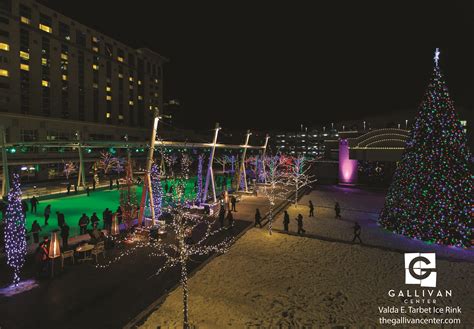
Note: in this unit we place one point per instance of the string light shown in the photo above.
(199, 178)
(298, 174)
(430, 196)
(15, 240)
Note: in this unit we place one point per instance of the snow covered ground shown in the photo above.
(291, 282)
(364, 207)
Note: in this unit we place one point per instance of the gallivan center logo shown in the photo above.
(420, 270)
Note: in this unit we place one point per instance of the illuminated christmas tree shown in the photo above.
(430, 197)
(15, 240)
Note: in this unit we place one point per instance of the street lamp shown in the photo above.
(54, 250)
(406, 124)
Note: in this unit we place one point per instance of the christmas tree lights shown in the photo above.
(430, 197)
(15, 240)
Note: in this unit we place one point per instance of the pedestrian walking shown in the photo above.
(111, 183)
(337, 209)
(68, 188)
(88, 190)
(65, 235)
(24, 207)
(299, 219)
(47, 212)
(117, 183)
(221, 216)
(93, 183)
(35, 229)
(119, 214)
(83, 222)
(311, 209)
(107, 218)
(286, 221)
(75, 188)
(233, 201)
(61, 219)
(258, 218)
(357, 231)
(230, 220)
(34, 203)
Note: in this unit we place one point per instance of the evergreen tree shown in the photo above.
(430, 197)
(15, 240)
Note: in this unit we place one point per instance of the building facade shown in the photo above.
(58, 76)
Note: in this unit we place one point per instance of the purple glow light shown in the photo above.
(347, 167)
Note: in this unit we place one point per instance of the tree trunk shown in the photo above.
(296, 195)
(184, 283)
(270, 219)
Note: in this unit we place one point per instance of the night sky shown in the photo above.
(250, 65)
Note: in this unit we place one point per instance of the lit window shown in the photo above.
(64, 77)
(156, 107)
(120, 117)
(45, 83)
(95, 49)
(4, 46)
(130, 87)
(24, 55)
(130, 103)
(95, 67)
(46, 28)
(109, 98)
(95, 85)
(3, 73)
(24, 67)
(120, 75)
(151, 107)
(95, 39)
(156, 80)
(108, 88)
(130, 79)
(107, 115)
(156, 94)
(120, 59)
(25, 20)
(139, 82)
(64, 56)
(140, 97)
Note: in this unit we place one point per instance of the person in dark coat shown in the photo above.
(35, 229)
(299, 219)
(221, 216)
(75, 188)
(34, 203)
(258, 218)
(107, 218)
(357, 231)
(119, 215)
(88, 190)
(47, 212)
(94, 220)
(93, 184)
(111, 183)
(61, 219)
(117, 183)
(311, 209)
(337, 209)
(230, 220)
(233, 201)
(68, 188)
(286, 221)
(83, 222)
(24, 207)
(65, 235)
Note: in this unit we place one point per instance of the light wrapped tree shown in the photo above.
(128, 198)
(69, 168)
(182, 227)
(299, 174)
(15, 239)
(430, 197)
(157, 189)
(275, 187)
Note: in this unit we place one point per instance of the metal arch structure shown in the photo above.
(243, 169)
